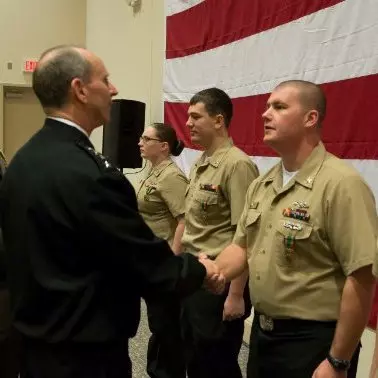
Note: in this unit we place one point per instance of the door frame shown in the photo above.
(2, 99)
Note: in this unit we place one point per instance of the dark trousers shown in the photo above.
(165, 354)
(10, 340)
(10, 354)
(212, 345)
(76, 360)
(293, 349)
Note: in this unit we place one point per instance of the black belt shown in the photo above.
(269, 324)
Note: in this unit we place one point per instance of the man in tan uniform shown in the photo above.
(213, 326)
(308, 231)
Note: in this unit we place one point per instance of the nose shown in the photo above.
(113, 90)
(266, 115)
(140, 143)
(189, 123)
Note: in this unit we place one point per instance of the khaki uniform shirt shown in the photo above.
(303, 240)
(215, 199)
(161, 199)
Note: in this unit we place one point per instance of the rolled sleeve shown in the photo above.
(173, 189)
(243, 174)
(352, 224)
(240, 237)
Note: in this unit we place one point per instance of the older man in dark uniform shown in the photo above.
(79, 256)
(9, 339)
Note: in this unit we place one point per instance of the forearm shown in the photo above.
(354, 312)
(238, 284)
(176, 245)
(232, 261)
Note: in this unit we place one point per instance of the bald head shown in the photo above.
(310, 95)
(55, 71)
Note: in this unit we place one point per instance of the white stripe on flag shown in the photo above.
(177, 6)
(323, 47)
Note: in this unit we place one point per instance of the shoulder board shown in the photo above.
(101, 160)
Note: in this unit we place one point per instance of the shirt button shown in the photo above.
(258, 278)
(262, 251)
(269, 225)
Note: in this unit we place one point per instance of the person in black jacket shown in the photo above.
(9, 339)
(79, 255)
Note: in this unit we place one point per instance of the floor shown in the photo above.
(138, 350)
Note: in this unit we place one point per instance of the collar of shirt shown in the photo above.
(218, 155)
(160, 167)
(306, 174)
(70, 123)
(287, 175)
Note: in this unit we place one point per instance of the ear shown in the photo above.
(311, 119)
(164, 146)
(219, 121)
(79, 90)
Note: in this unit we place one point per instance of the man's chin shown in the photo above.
(268, 139)
(195, 140)
(199, 142)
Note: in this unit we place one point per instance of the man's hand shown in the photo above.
(234, 307)
(214, 281)
(325, 370)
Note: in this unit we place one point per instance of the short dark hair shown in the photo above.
(311, 96)
(166, 133)
(52, 78)
(216, 102)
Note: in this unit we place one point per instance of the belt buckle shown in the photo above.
(266, 323)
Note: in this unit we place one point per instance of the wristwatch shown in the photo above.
(339, 365)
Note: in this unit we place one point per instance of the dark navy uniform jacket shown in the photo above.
(79, 256)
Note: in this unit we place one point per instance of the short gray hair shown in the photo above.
(52, 78)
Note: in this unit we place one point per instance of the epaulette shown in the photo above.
(100, 159)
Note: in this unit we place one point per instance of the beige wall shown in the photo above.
(131, 43)
(29, 27)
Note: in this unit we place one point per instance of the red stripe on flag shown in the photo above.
(214, 23)
(350, 130)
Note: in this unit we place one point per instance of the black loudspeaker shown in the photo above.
(121, 134)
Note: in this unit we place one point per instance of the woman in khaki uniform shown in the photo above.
(161, 202)
(161, 195)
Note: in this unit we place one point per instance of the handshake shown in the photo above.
(215, 281)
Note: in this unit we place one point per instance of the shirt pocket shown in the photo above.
(292, 241)
(252, 218)
(153, 202)
(206, 206)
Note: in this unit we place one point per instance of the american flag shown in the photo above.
(247, 47)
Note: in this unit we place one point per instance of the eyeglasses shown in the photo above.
(146, 139)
